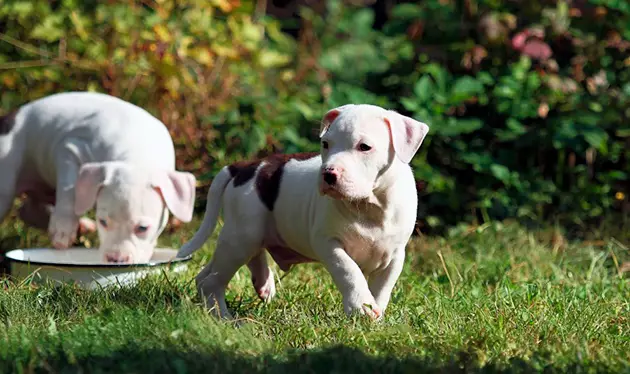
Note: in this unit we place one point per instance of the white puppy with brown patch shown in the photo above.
(352, 208)
(70, 151)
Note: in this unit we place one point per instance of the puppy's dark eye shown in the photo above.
(325, 144)
(141, 229)
(364, 147)
(103, 222)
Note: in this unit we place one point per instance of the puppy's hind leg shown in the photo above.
(10, 166)
(35, 213)
(232, 252)
(262, 277)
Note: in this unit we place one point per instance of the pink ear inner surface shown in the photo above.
(330, 117)
(178, 191)
(407, 135)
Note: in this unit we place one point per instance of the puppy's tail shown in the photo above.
(213, 205)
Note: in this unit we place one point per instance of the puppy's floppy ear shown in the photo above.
(407, 135)
(330, 117)
(178, 191)
(90, 180)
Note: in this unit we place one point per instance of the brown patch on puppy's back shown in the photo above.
(243, 171)
(270, 175)
(7, 122)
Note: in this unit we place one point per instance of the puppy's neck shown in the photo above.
(384, 186)
(369, 210)
(374, 209)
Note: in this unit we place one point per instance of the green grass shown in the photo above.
(496, 298)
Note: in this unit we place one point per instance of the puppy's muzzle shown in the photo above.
(330, 182)
(331, 175)
(118, 257)
(120, 253)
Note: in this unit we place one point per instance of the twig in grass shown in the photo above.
(25, 46)
(168, 281)
(616, 262)
(365, 339)
(132, 85)
(448, 275)
(261, 6)
(619, 244)
(249, 319)
(28, 280)
(26, 64)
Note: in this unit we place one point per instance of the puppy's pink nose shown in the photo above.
(117, 257)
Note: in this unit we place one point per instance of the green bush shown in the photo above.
(528, 102)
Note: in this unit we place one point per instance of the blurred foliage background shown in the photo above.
(528, 101)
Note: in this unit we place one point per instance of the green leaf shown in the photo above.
(273, 59)
(459, 126)
(304, 109)
(411, 104)
(514, 130)
(423, 88)
(479, 161)
(50, 29)
(500, 172)
(407, 11)
(516, 126)
(618, 175)
(596, 138)
(439, 74)
(485, 78)
(465, 88)
(363, 19)
(290, 134)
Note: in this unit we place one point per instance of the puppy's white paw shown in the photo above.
(266, 289)
(363, 306)
(62, 229)
(86, 225)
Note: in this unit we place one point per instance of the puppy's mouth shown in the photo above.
(332, 193)
(117, 258)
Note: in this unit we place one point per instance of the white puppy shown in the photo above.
(79, 149)
(352, 208)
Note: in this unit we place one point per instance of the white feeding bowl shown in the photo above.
(85, 267)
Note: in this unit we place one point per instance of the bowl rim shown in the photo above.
(7, 255)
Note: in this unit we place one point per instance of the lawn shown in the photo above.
(491, 298)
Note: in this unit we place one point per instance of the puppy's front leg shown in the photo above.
(348, 278)
(382, 282)
(63, 220)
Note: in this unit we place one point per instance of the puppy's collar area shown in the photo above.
(372, 209)
(376, 206)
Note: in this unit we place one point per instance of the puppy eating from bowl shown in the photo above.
(72, 151)
(351, 207)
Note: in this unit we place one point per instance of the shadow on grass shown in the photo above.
(338, 359)
(7, 244)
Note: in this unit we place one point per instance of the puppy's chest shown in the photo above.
(370, 246)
